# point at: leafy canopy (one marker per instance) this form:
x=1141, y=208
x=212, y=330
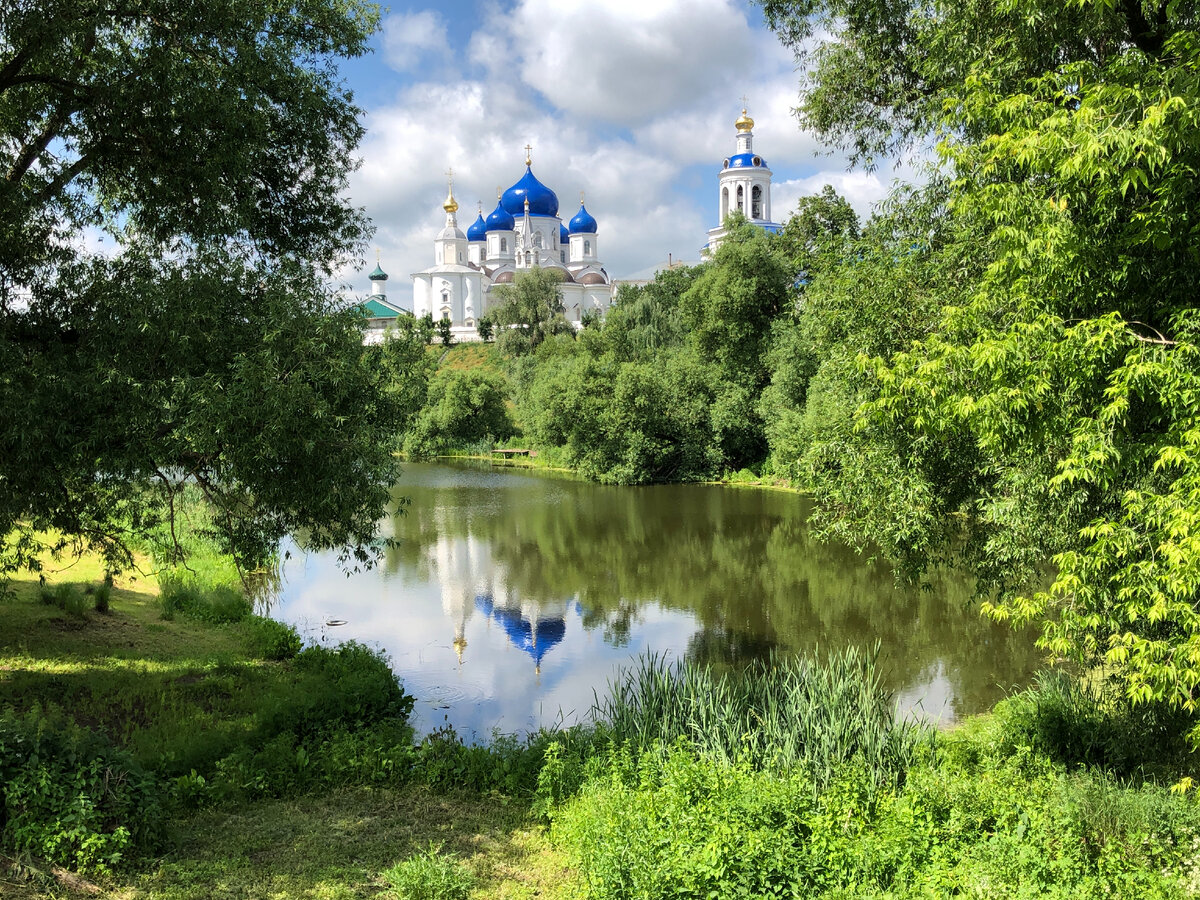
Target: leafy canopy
x=207, y=146
x=1049, y=396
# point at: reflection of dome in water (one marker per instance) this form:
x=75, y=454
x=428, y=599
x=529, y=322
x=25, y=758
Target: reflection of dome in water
x=534, y=636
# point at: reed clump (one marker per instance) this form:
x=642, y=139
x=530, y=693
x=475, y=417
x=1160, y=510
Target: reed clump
x=820, y=713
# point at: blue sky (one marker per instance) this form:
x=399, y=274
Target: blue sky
x=631, y=102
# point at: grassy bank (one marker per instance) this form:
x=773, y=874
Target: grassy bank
x=287, y=776
x=240, y=766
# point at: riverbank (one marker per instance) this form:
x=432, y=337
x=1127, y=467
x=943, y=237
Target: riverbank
x=143, y=681
x=1047, y=796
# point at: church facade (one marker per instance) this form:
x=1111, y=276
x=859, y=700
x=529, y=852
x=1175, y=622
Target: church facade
x=523, y=231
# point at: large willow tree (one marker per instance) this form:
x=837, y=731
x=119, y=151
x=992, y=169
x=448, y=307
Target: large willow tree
x=172, y=179
x=1052, y=400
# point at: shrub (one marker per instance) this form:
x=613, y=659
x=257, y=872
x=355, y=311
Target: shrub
x=1080, y=724
x=68, y=796
x=272, y=640
x=218, y=605
x=430, y=876
x=683, y=827
x=462, y=407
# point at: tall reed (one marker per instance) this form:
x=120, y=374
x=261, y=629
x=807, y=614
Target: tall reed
x=822, y=714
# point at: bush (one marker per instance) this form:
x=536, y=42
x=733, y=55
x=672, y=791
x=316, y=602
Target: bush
x=272, y=640
x=68, y=796
x=462, y=407
x=217, y=605
x=683, y=827
x=1081, y=725
x=430, y=876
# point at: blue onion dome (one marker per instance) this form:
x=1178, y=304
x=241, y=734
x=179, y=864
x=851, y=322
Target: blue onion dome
x=478, y=229
x=564, y=236
x=583, y=223
x=746, y=161
x=378, y=274
x=500, y=220
x=542, y=200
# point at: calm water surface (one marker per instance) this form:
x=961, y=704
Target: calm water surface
x=511, y=596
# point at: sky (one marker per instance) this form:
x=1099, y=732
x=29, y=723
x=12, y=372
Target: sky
x=630, y=101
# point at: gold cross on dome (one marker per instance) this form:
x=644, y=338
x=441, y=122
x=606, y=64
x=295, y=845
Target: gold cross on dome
x=745, y=101
x=528, y=155
x=581, y=198
x=450, y=175
x=378, y=253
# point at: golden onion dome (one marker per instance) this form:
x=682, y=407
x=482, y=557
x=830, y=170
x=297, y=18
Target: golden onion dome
x=451, y=205
x=744, y=124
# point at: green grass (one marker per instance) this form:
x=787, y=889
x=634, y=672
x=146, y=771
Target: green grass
x=337, y=847
x=468, y=356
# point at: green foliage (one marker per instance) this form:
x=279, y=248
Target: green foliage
x=821, y=715
x=971, y=821
x=101, y=597
x=685, y=827
x=528, y=310
x=729, y=308
x=462, y=407
x=210, y=349
x=273, y=640
x=335, y=716
x=443, y=330
x=69, y=797
x=1081, y=725
x=509, y=764
x=1042, y=397
x=430, y=875
x=216, y=604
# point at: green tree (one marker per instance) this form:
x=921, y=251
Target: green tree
x=1057, y=383
x=209, y=144
x=443, y=328
x=528, y=310
x=462, y=407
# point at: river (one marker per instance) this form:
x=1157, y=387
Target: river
x=510, y=596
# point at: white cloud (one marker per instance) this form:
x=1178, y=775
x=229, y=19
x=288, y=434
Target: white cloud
x=624, y=61
x=861, y=189
x=410, y=40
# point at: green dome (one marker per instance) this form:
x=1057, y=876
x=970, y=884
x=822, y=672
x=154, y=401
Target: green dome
x=378, y=274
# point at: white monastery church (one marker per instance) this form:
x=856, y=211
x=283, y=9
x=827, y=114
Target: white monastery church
x=525, y=230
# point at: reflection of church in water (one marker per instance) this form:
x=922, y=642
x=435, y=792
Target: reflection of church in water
x=474, y=584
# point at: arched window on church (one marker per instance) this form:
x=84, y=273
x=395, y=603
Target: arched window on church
x=587, y=248
x=460, y=256
x=756, y=202
x=537, y=239
x=562, y=255
x=528, y=258
x=741, y=200
x=724, y=203
x=503, y=245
